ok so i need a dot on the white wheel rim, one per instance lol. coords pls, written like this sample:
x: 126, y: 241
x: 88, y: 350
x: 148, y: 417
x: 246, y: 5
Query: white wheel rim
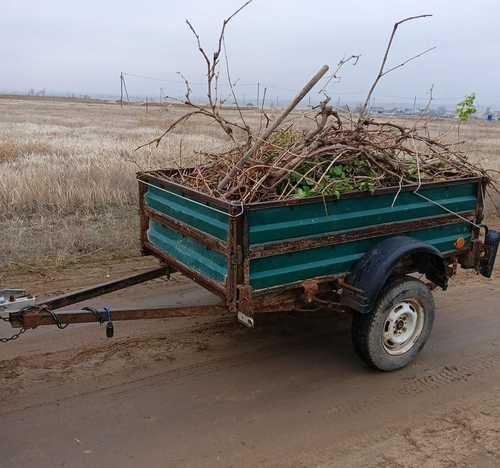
x: 403, y: 326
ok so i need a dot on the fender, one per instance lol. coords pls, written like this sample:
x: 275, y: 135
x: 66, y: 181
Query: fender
x: 371, y: 273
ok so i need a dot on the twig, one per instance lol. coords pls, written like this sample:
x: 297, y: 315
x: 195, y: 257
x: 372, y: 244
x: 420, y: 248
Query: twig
x: 382, y: 72
x: 156, y: 141
x: 335, y: 74
x: 234, y: 94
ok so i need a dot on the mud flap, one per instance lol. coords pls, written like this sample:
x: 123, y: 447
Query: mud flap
x: 372, y: 272
x: 487, y: 262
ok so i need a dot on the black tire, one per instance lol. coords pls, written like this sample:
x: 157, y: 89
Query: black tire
x: 373, y: 333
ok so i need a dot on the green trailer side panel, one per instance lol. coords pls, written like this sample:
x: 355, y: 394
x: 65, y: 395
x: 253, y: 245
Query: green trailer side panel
x: 268, y: 225
x: 288, y: 268
x: 202, y: 217
x: 189, y: 252
x: 313, y: 219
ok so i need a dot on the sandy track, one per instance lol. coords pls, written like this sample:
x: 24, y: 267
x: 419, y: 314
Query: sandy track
x: 208, y: 392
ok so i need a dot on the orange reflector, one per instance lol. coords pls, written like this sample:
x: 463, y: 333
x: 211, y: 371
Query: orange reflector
x: 460, y: 243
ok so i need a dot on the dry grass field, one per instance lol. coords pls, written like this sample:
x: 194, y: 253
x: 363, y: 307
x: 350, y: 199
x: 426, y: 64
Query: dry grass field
x: 67, y: 173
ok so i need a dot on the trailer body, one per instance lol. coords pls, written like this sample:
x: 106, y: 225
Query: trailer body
x: 283, y: 249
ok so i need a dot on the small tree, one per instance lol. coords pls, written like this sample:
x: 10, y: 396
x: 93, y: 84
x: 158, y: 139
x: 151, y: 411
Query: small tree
x: 466, y: 108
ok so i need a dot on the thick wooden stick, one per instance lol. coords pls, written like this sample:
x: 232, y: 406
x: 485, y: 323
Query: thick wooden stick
x: 273, y: 127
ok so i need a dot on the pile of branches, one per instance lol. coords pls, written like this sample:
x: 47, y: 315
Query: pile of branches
x: 341, y: 153
x: 339, y: 156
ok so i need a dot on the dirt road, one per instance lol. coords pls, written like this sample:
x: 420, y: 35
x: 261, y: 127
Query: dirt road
x: 209, y: 392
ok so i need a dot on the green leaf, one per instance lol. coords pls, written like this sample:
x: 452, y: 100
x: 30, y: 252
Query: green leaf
x: 466, y: 108
x: 338, y: 171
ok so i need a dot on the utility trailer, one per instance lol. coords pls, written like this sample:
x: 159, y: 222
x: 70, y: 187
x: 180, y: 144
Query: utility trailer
x: 355, y: 254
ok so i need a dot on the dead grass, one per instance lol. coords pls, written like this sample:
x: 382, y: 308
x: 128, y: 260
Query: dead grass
x: 10, y: 150
x: 49, y: 241
x: 67, y: 190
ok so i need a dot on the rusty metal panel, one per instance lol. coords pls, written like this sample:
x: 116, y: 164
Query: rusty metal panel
x: 188, y: 231
x: 277, y: 224
x: 210, y: 220
x: 301, y: 265
x: 188, y: 251
x: 296, y: 242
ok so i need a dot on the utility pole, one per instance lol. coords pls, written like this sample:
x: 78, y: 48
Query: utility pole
x: 146, y: 104
x: 125, y: 87
x: 121, y: 89
x: 258, y: 93
x: 414, y: 105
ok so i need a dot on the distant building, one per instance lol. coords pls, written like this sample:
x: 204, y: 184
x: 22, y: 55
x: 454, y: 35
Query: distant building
x: 377, y: 110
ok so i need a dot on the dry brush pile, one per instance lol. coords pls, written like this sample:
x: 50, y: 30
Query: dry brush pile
x: 341, y: 153
x: 344, y: 156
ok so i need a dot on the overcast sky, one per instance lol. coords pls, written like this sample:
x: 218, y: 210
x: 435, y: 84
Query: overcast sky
x: 82, y: 46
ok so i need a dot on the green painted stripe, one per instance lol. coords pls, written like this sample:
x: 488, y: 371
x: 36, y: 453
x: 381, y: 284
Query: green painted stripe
x: 189, y: 252
x: 311, y: 220
x: 289, y: 268
x: 189, y: 212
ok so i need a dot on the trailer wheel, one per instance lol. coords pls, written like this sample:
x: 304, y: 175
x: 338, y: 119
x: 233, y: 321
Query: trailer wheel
x: 390, y: 336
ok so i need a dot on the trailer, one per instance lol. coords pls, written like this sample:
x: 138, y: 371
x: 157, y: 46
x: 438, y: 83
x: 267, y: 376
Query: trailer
x: 375, y: 255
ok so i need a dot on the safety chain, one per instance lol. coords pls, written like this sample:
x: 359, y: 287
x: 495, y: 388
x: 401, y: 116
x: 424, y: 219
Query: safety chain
x: 15, y: 336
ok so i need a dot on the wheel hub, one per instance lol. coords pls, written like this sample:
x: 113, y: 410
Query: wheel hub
x: 403, y: 326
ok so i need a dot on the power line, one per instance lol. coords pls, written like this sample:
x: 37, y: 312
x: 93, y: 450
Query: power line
x: 150, y: 78
x: 258, y: 84
x: 135, y: 75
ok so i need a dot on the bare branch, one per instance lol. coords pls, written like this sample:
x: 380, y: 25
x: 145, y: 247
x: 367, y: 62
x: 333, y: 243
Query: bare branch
x: 156, y: 141
x: 402, y: 64
x: 263, y: 113
x: 212, y: 64
x: 335, y: 74
x: 200, y: 48
x: 188, y: 88
x: 382, y: 72
x: 225, y: 22
x: 212, y: 81
x: 249, y: 135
